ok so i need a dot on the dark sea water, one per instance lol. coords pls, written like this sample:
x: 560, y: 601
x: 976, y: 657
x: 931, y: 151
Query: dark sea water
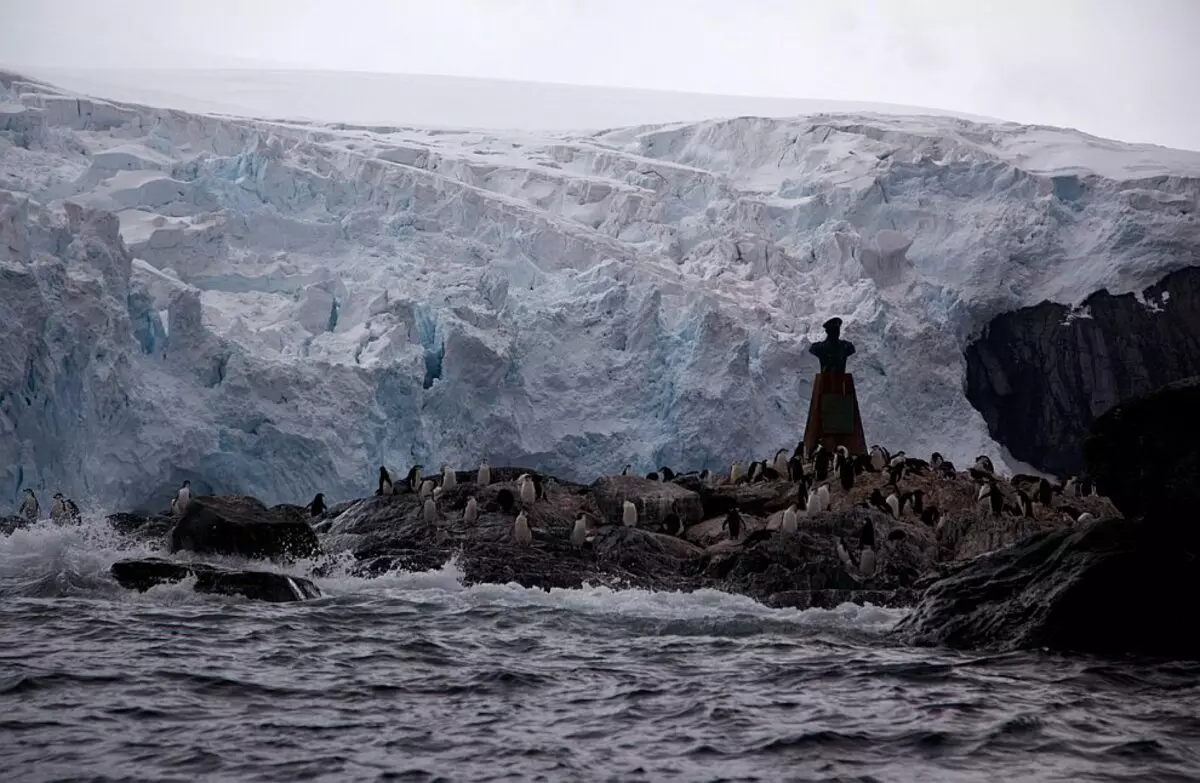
x: 413, y: 677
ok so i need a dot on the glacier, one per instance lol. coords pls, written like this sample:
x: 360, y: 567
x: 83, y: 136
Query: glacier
x: 278, y: 307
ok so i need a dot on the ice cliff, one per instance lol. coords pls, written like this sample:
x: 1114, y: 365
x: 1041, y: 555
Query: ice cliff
x: 277, y: 308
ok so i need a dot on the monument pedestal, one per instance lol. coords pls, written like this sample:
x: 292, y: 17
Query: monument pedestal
x: 833, y: 417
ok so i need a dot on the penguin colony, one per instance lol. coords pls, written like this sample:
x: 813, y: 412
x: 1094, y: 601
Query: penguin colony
x: 814, y: 476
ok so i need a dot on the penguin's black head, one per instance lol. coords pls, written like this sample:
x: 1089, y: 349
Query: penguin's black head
x: 58, y: 495
x: 187, y: 483
x: 320, y: 496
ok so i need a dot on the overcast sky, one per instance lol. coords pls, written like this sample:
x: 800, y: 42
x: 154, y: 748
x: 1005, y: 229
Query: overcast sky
x: 1126, y: 69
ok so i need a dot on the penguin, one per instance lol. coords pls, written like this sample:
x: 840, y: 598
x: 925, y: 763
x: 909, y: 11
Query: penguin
x: 768, y: 473
x: 733, y: 523
x: 846, y: 474
x: 73, y: 512
x: 1085, y: 518
x: 629, y: 514
x: 173, y: 501
x: 539, y: 492
x: 897, y: 460
x: 931, y: 516
x: 29, y: 506
x: 896, y: 471
x: 526, y: 490
x: 317, y: 507
x: 984, y: 464
x: 823, y: 495
x: 521, y: 532
x: 58, y: 509
x: 866, y: 550
x: 878, y: 503
x: 579, y: 532
x: 426, y: 488
x: 1026, y: 503
x: 183, y: 498
x: 840, y: 455
x: 821, y: 462
x: 414, y: 477
x: 917, y: 466
x: 484, y: 476
x: 1071, y: 488
x: 936, y: 460
x: 735, y: 472
x: 893, y: 503
x: 879, y: 457
x: 780, y: 463
x: 652, y: 476
x: 754, y: 473
x: 506, y: 500
x: 449, y: 477
x: 627, y: 470
x: 913, y: 501
x: 796, y: 468
x: 706, y: 476
x: 802, y: 487
x: 1044, y: 493
x: 1087, y: 487
x: 813, y: 505
x: 471, y: 512
x: 788, y: 527
x: 994, y: 497
x: 666, y: 473
x: 672, y: 525
x: 430, y: 511
x: 385, y: 482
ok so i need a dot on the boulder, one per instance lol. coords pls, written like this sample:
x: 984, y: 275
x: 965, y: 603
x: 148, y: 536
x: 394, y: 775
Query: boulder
x: 1111, y: 587
x: 156, y: 527
x: 1144, y: 456
x: 142, y: 574
x: 654, y: 500
x: 1114, y: 587
x: 241, y: 525
x: 11, y: 524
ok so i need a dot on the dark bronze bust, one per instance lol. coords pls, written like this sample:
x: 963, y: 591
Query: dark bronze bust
x: 833, y: 351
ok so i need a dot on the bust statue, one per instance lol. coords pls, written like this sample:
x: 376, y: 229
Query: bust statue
x: 833, y: 351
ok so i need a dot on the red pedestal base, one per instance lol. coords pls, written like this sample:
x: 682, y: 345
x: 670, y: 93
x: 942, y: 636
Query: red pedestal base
x: 833, y: 416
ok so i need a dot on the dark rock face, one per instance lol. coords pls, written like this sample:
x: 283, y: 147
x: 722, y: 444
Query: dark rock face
x: 1143, y: 455
x: 143, y: 574
x: 153, y: 528
x: 1040, y: 376
x: 237, y: 525
x: 654, y: 500
x: 11, y: 524
x: 1113, y: 586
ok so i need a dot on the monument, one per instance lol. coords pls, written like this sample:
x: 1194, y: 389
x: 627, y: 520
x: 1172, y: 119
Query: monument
x: 833, y: 417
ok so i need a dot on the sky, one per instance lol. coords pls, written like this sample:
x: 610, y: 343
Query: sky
x: 1124, y: 69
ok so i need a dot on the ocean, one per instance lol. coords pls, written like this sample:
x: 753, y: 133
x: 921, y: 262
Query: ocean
x: 414, y: 677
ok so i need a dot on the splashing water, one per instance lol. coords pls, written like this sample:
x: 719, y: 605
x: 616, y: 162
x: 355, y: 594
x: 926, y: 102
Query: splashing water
x: 415, y: 676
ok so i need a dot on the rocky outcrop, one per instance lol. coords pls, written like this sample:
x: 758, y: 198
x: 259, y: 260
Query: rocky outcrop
x: 11, y: 524
x: 1042, y: 374
x: 1112, y: 586
x: 239, y: 525
x: 145, y: 573
x: 1144, y: 455
x: 155, y: 528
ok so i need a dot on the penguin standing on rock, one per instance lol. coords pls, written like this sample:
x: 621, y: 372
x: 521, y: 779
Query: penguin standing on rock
x: 63, y: 511
x: 426, y: 489
x: 29, y: 506
x: 449, y: 477
x: 521, y: 532
x: 414, y: 477
x: 317, y: 507
x: 666, y: 473
x: 822, y: 460
x: 579, y: 532
x: 866, y: 565
x: 471, y: 512
x: 813, y: 505
x: 788, y: 526
x: 780, y: 463
x: 931, y: 516
x: 823, y: 494
x: 526, y: 490
x: 984, y: 464
x: 1026, y: 503
x: 893, y: 503
x: 1045, y: 493
x: 484, y: 476
x: 846, y: 474
x: 733, y: 523
x: 385, y: 482
x: 879, y: 458
x: 430, y: 511
x: 672, y: 525
x: 183, y: 499
x: 735, y: 472
x: 992, y: 494
x: 629, y: 514
x: 878, y: 502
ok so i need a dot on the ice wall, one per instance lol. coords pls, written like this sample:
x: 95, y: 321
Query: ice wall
x: 287, y: 306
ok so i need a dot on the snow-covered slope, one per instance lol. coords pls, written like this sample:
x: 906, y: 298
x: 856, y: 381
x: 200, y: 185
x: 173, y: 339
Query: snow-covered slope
x: 293, y: 305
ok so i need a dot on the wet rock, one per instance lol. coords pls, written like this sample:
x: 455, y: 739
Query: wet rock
x: 241, y: 525
x: 808, y: 561
x: 1110, y: 587
x: 654, y: 500
x: 142, y: 574
x: 152, y: 528
x: 11, y: 524
x: 1114, y: 587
